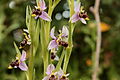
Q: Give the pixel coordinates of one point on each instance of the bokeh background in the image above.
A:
(12, 21)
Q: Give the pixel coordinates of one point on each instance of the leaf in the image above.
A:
(17, 50)
(28, 15)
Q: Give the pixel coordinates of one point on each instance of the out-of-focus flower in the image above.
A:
(88, 62)
(26, 40)
(51, 75)
(39, 11)
(80, 14)
(104, 27)
(19, 62)
(58, 40)
(62, 75)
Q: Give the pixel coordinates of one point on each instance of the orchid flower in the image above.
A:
(39, 11)
(53, 55)
(57, 40)
(80, 14)
(19, 62)
(26, 40)
(50, 73)
(62, 75)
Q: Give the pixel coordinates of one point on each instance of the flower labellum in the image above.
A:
(50, 74)
(58, 40)
(80, 14)
(62, 75)
(19, 62)
(39, 12)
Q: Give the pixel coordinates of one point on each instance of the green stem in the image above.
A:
(60, 61)
(69, 49)
(44, 47)
(31, 64)
(71, 28)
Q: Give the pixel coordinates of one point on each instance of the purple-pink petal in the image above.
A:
(52, 33)
(23, 56)
(23, 66)
(46, 78)
(42, 4)
(74, 18)
(50, 68)
(45, 16)
(77, 7)
(60, 73)
(52, 44)
(36, 17)
(64, 31)
(83, 20)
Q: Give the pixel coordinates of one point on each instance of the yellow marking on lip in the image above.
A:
(87, 19)
(10, 67)
(33, 15)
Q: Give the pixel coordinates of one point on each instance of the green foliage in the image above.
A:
(83, 40)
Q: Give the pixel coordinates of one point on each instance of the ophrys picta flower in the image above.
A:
(26, 40)
(39, 12)
(62, 75)
(19, 62)
(79, 14)
(61, 39)
(51, 75)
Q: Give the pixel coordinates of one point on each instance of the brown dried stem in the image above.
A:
(95, 11)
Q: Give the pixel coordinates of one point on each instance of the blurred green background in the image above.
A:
(12, 20)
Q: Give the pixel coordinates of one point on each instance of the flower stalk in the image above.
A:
(71, 28)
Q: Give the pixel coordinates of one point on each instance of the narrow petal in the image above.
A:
(83, 20)
(64, 31)
(67, 75)
(36, 17)
(23, 66)
(60, 73)
(25, 30)
(50, 68)
(28, 42)
(52, 33)
(45, 16)
(52, 44)
(23, 56)
(42, 4)
(46, 78)
(56, 58)
(77, 7)
(74, 18)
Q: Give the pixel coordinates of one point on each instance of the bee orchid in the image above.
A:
(39, 11)
(51, 75)
(19, 62)
(80, 14)
(57, 40)
(26, 40)
(62, 75)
